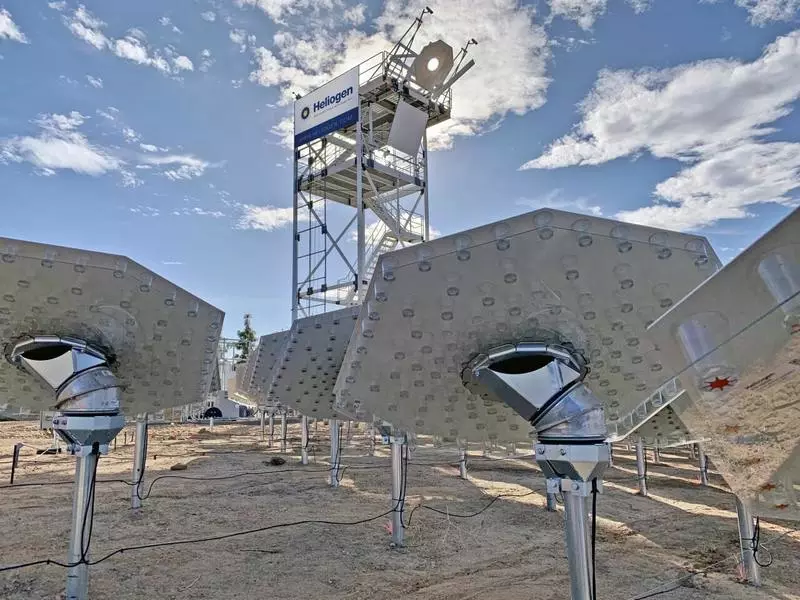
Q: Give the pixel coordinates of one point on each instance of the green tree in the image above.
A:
(247, 338)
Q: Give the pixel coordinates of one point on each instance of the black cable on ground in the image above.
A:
(470, 515)
(757, 547)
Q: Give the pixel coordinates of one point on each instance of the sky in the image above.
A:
(159, 129)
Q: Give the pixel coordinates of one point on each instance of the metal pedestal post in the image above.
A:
(656, 456)
(211, 423)
(335, 452)
(263, 426)
(640, 468)
(703, 464)
(574, 470)
(462, 463)
(485, 450)
(610, 455)
(398, 493)
(551, 502)
(578, 550)
(692, 451)
(283, 432)
(348, 434)
(139, 460)
(304, 440)
(271, 429)
(371, 440)
(82, 506)
(746, 543)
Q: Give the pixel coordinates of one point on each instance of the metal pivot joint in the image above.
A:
(570, 428)
(87, 398)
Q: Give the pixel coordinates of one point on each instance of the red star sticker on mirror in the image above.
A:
(719, 383)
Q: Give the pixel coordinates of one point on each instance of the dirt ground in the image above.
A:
(513, 551)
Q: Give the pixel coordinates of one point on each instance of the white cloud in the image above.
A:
(265, 218)
(555, 199)
(583, 12)
(209, 16)
(242, 39)
(145, 211)
(132, 46)
(167, 22)
(183, 63)
(586, 12)
(171, 262)
(59, 146)
(723, 186)
(278, 10)
(180, 167)
(152, 148)
(712, 115)
(206, 60)
(639, 6)
(766, 11)
(94, 81)
(60, 5)
(511, 58)
(355, 14)
(197, 211)
(130, 134)
(9, 30)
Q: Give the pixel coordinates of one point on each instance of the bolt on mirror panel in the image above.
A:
(162, 340)
(548, 276)
(307, 368)
(664, 429)
(735, 345)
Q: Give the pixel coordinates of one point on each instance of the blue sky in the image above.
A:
(157, 128)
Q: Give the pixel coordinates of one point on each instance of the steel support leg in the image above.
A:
(640, 468)
(485, 448)
(746, 542)
(139, 460)
(656, 456)
(335, 452)
(271, 430)
(283, 432)
(610, 455)
(701, 451)
(304, 439)
(211, 423)
(82, 506)
(552, 505)
(462, 463)
(398, 493)
(263, 426)
(371, 439)
(578, 550)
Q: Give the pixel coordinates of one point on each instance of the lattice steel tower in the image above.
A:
(361, 167)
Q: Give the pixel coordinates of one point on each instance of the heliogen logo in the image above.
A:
(330, 101)
(305, 112)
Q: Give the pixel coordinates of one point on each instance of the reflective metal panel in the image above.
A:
(664, 429)
(163, 340)
(270, 348)
(735, 344)
(547, 276)
(307, 368)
